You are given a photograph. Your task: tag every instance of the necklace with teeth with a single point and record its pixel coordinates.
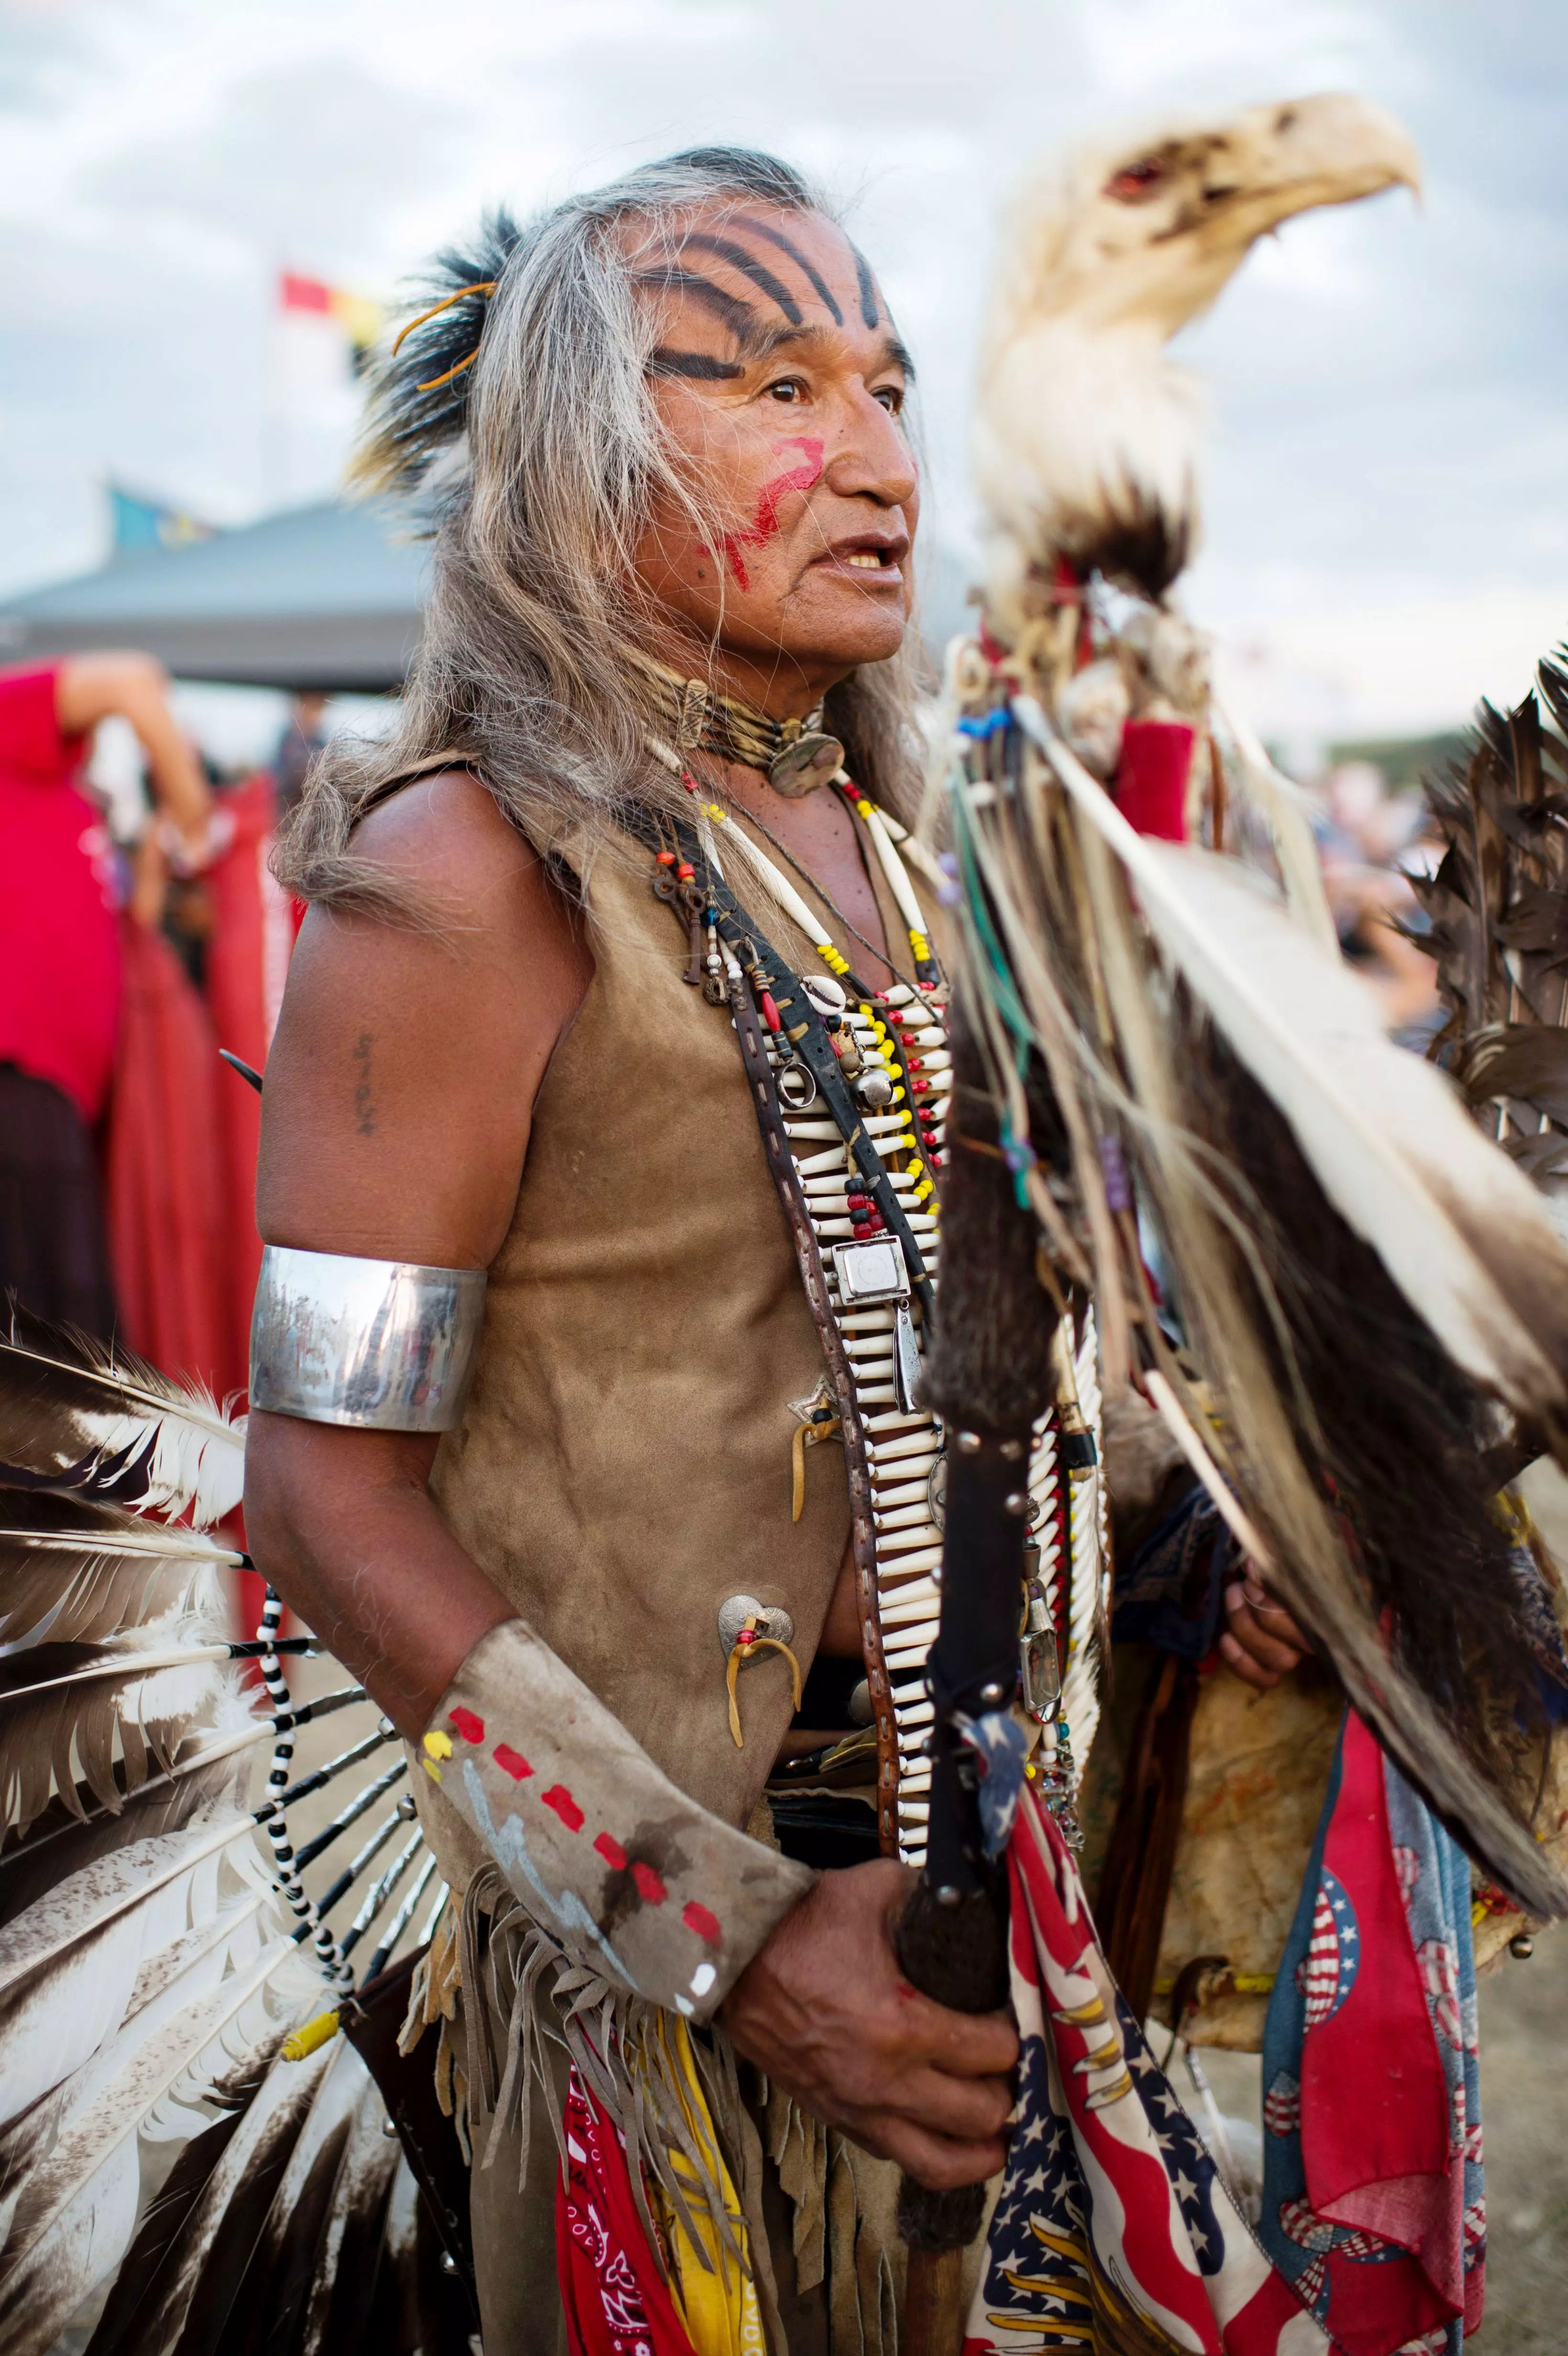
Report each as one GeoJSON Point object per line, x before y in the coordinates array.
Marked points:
{"type": "Point", "coordinates": [868, 1248]}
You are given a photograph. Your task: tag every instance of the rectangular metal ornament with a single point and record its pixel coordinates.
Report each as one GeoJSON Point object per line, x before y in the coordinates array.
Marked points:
{"type": "Point", "coordinates": [871, 1274]}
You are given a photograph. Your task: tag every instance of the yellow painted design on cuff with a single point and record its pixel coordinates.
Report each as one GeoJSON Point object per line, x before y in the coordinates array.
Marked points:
{"type": "Point", "coordinates": [431, 1770]}
{"type": "Point", "coordinates": [439, 1745]}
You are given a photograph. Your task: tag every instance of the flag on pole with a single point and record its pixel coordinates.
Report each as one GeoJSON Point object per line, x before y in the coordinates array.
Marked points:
{"type": "Point", "coordinates": [360, 317]}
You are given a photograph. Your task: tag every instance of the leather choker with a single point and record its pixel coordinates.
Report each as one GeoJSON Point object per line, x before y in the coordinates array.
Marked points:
{"type": "Point", "coordinates": [795, 756]}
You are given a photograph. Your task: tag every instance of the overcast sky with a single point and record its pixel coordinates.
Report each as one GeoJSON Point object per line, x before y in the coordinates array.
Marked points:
{"type": "Point", "coordinates": [1388, 477]}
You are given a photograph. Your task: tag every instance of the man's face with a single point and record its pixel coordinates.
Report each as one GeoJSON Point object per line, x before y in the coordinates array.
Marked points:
{"type": "Point", "coordinates": [780, 381]}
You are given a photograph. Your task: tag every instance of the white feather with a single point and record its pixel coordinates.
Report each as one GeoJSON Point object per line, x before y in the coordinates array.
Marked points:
{"type": "Point", "coordinates": [1460, 1230]}
{"type": "Point", "coordinates": [69, 1964]}
{"type": "Point", "coordinates": [187, 2047]}
{"type": "Point", "coordinates": [88, 2241]}
{"type": "Point", "coordinates": [73, 2222]}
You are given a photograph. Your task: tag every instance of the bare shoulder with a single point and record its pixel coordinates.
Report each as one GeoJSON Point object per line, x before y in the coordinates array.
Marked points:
{"type": "Point", "coordinates": [401, 1080]}
{"type": "Point", "coordinates": [446, 836]}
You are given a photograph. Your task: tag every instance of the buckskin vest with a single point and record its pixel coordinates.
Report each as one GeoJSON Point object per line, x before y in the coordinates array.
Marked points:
{"type": "Point", "coordinates": [624, 1463]}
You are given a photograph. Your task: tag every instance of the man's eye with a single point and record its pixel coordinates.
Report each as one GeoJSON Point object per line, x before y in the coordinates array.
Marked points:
{"type": "Point", "coordinates": [788, 388]}
{"type": "Point", "coordinates": [891, 397]}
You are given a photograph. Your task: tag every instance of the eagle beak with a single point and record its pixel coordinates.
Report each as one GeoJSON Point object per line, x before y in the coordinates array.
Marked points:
{"type": "Point", "coordinates": [1305, 151]}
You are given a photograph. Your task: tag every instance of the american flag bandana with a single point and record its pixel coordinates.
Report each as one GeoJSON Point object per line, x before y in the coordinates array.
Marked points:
{"type": "Point", "coordinates": [1114, 2234]}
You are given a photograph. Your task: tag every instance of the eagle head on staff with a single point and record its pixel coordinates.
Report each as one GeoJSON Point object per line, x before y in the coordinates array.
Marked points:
{"type": "Point", "coordinates": [1087, 432]}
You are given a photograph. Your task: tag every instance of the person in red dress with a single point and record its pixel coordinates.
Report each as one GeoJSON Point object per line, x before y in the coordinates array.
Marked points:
{"type": "Point", "coordinates": [59, 960]}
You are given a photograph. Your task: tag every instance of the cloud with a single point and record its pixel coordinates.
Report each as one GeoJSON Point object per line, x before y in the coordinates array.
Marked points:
{"type": "Point", "coordinates": [1384, 381]}
{"type": "Point", "coordinates": [43, 54]}
{"type": "Point", "coordinates": [312, 163]}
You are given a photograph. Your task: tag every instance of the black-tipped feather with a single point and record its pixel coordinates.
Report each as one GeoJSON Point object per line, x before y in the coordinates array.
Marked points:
{"type": "Point", "coordinates": [272, 2297]}
{"type": "Point", "coordinates": [1498, 911]}
{"type": "Point", "coordinates": [990, 1360]}
{"type": "Point", "coordinates": [78, 1414]}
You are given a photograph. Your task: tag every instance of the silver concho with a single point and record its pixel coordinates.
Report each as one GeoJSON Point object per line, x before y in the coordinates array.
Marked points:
{"type": "Point", "coordinates": [772, 1619]}
{"type": "Point", "coordinates": [811, 761]}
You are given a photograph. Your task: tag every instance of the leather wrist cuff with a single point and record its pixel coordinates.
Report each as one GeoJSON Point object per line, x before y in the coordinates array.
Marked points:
{"type": "Point", "coordinates": [631, 1877]}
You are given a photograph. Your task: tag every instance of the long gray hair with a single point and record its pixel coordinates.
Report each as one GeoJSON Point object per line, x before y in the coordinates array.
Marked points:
{"type": "Point", "coordinates": [521, 415]}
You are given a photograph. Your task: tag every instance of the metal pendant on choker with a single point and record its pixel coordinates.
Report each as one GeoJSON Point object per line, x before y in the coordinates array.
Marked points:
{"type": "Point", "coordinates": [795, 756]}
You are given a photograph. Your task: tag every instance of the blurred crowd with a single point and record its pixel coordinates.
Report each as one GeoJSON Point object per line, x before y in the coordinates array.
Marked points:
{"type": "Point", "coordinates": [140, 934]}
{"type": "Point", "coordinates": [1370, 840]}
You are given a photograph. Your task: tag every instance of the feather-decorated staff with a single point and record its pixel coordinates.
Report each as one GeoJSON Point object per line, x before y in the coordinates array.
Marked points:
{"type": "Point", "coordinates": [165, 1978]}
{"type": "Point", "coordinates": [1359, 1320]}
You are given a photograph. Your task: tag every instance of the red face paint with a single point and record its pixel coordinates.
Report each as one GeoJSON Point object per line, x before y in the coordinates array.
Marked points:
{"type": "Point", "coordinates": [765, 524]}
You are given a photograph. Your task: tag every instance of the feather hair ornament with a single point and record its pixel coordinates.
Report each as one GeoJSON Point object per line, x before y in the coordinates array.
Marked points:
{"type": "Point", "coordinates": [420, 390]}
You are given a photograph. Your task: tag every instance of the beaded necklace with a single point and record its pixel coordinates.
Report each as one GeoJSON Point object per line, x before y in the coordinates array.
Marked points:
{"type": "Point", "coordinates": [859, 1084]}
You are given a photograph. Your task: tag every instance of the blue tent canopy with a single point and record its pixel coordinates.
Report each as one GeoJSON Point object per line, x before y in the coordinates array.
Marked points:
{"type": "Point", "coordinates": [323, 596]}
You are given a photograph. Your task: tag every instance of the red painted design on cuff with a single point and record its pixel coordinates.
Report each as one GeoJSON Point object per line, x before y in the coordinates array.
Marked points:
{"type": "Point", "coordinates": [472, 1728]}
{"type": "Point", "coordinates": [511, 1763]}
{"type": "Point", "coordinates": [610, 1849]}
{"type": "Point", "coordinates": [649, 1886]}
{"type": "Point", "coordinates": [705, 1925]}
{"type": "Point", "coordinates": [559, 1798]}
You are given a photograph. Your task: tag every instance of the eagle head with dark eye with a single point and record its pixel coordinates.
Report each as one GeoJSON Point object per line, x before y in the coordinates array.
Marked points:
{"type": "Point", "coordinates": [1086, 435]}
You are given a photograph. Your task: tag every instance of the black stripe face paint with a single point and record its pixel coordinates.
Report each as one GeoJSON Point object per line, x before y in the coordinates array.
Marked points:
{"type": "Point", "coordinates": [699, 365]}
{"type": "Point", "coordinates": [869, 311]}
{"type": "Point", "coordinates": [738, 316]}
{"type": "Point", "coordinates": [785, 245]}
{"type": "Point", "coordinates": [750, 267]}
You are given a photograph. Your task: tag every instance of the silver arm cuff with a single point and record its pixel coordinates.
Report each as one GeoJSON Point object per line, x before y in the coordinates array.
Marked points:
{"type": "Point", "coordinates": [381, 1343]}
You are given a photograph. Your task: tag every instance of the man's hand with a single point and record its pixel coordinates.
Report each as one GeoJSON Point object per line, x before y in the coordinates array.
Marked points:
{"type": "Point", "coordinates": [1263, 1640]}
{"type": "Point", "coordinates": [824, 2009]}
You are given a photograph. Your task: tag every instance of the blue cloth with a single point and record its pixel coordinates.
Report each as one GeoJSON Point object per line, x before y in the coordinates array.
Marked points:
{"type": "Point", "coordinates": [1171, 1589]}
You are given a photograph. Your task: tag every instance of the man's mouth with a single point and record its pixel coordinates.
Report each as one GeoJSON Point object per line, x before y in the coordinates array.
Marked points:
{"type": "Point", "coordinates": [869, 555]}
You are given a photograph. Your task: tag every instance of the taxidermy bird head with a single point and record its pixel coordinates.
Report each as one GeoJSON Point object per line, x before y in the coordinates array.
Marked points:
{"type": "Point", "coordinates": [1086, 433]}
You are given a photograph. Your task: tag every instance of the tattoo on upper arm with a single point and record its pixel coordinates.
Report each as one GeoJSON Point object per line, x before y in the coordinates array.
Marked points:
{"type": "Point", "coordinates": [364, 1103]}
